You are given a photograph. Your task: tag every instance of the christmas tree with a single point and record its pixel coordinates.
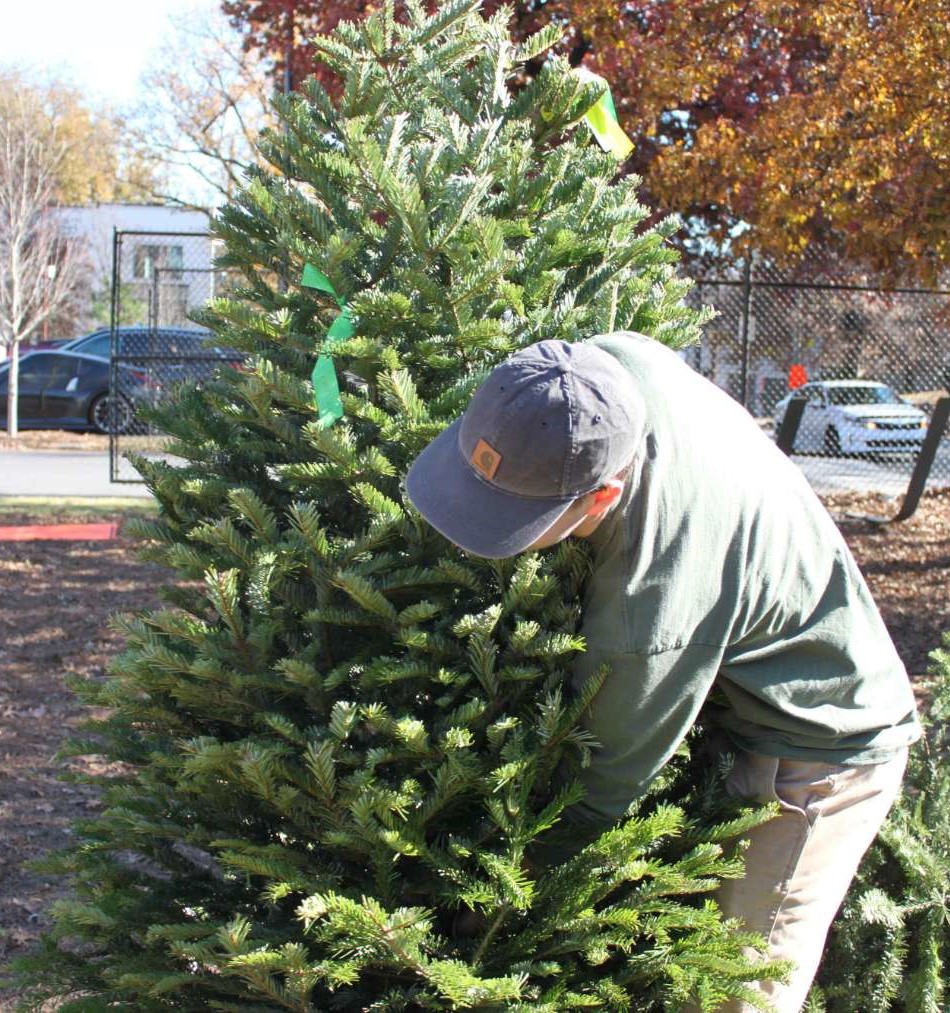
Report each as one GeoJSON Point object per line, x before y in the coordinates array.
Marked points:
{"type": "Point", "coordinates": [340, 742]}
{"type": "Point", "coordinates": [890, 945]}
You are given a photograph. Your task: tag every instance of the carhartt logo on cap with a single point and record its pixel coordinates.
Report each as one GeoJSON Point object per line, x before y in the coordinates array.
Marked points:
{"type": "Point", "coordinates": [485, 459]}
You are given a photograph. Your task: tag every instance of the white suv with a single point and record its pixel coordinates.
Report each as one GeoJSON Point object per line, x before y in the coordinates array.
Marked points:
{"type": "Point", "coordinates": [855, 417]}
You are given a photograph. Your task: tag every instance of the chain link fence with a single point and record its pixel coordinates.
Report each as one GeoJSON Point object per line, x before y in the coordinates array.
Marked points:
{"type": "Point", "coordinates": [871, 363]}
{"type": "Point", "coordinates": [159, 280]}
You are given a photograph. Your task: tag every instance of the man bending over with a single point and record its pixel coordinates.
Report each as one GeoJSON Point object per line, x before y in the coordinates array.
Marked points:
{"type": "Point", "coordinates": [716, 568]}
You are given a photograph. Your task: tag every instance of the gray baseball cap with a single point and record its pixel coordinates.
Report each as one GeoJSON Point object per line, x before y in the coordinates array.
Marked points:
{"type": "Point", "coordinates": [553, 422]}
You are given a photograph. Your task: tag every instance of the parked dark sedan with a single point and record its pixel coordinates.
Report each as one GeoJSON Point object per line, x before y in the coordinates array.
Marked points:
{"type": "Point", "coordinates": [169, 354]}
{"type": "Point", "coordinates": [163, 341]}
{"type": "Point", "coordinates": [65, 390]}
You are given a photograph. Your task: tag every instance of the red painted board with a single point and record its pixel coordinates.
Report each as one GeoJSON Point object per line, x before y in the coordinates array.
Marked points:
{"type": "Point", "coordinates": [58, 532]}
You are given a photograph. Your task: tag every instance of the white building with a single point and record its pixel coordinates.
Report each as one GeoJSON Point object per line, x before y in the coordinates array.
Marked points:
{"type": "Point", "coordinates": [164, 267]}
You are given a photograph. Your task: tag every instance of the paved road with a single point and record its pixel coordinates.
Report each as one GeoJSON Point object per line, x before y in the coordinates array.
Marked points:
{"type": "Point", "coordinates": [890, 477]}
{"type": "Point", "coordinates": [82, 473]}
{"type": "Point", "coordinates": [68, 473]}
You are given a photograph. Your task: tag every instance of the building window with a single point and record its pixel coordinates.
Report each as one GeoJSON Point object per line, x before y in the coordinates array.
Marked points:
{"type": "Point", "coordinates": [166, 260]}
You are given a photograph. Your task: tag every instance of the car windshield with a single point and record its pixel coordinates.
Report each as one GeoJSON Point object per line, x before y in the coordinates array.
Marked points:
{"type": "Point", "coordinates": [870, 393]}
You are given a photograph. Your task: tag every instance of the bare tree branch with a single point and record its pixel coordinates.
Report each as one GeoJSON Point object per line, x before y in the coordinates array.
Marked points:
{"type": "Point", "coordinates": [208, 101]}
{"type": "Point", "coordinates": [39, 267]}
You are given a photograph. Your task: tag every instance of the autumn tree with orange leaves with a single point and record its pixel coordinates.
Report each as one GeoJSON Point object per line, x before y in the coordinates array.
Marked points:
{"type": "Point", "coordinates": [809, 122]}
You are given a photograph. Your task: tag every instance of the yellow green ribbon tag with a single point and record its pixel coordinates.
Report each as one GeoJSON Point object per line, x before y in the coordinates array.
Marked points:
{"type": "Point", "coordinates": [326, 388]}
{"type": "Point", "coordinates": [602, 118]}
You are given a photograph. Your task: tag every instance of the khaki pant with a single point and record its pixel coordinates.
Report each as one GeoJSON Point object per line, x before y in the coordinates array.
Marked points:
{"type": "Point", "coordinates": [800, 864]}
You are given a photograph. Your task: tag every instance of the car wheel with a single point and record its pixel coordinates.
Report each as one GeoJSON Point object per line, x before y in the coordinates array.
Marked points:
{"type": "Point", "coordinates": [832, 442]}
{"type": "Point", "coordinates": [108, 414]}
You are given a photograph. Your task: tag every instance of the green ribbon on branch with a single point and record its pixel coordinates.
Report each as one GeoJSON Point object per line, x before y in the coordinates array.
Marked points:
{"type": "Point", "coordinates": [602, 118]}
{"type": "Point", "coordinates": [326, 388]}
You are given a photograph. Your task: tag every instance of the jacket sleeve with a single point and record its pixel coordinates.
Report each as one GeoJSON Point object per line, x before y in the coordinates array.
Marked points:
{"type": "Point", "coordinates": [640, 715]}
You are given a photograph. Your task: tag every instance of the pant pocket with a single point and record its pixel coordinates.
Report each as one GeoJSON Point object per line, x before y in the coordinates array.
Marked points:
{"type": "Point", "coordinates": [761, 779]}
{"type": "Point", "coordinates": [752, 778]}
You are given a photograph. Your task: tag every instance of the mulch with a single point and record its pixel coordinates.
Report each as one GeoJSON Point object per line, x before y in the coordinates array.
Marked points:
{"type": "Point", "coordinates": [54, 439]}
{"type": "Point", "coordinates": [58, 596]}
{"type": "Point", "coordinates": [907, 567]}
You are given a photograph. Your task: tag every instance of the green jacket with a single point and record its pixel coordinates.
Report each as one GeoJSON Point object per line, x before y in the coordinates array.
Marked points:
{"type": "Point", "coordinates": [721, 569]}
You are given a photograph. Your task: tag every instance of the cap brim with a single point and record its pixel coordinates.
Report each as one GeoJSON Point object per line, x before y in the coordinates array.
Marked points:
{"type": "Point", "coordinates": [474, 515]}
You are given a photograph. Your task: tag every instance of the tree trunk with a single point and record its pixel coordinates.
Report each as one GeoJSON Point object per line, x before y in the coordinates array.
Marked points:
{"type": "Point", "coordinates": [13, 389]}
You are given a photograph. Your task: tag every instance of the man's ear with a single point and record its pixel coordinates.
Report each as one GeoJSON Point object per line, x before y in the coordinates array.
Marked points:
{"type": "Point", "coordinates": [606, 496]}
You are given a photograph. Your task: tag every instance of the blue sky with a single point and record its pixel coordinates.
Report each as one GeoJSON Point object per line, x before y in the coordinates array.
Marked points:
{"type": "Point", "coordinates": [101, 46]}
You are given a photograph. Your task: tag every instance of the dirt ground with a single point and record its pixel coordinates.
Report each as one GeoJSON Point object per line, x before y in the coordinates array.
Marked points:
{"type": "Point", "coordinates": [58, 596]}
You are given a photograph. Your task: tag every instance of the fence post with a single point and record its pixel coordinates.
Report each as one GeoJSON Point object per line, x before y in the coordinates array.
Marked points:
{"type": "Point", "coordinates": [746, 317]}
{"type": "Point", "coordinates": [788, 430]}
{"type": "Point", "coordinates": [154, 294]}
{"type": "Point", "coordinates": [921, 472]}
{"type": "Point", "coordinates": [115, 319]}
